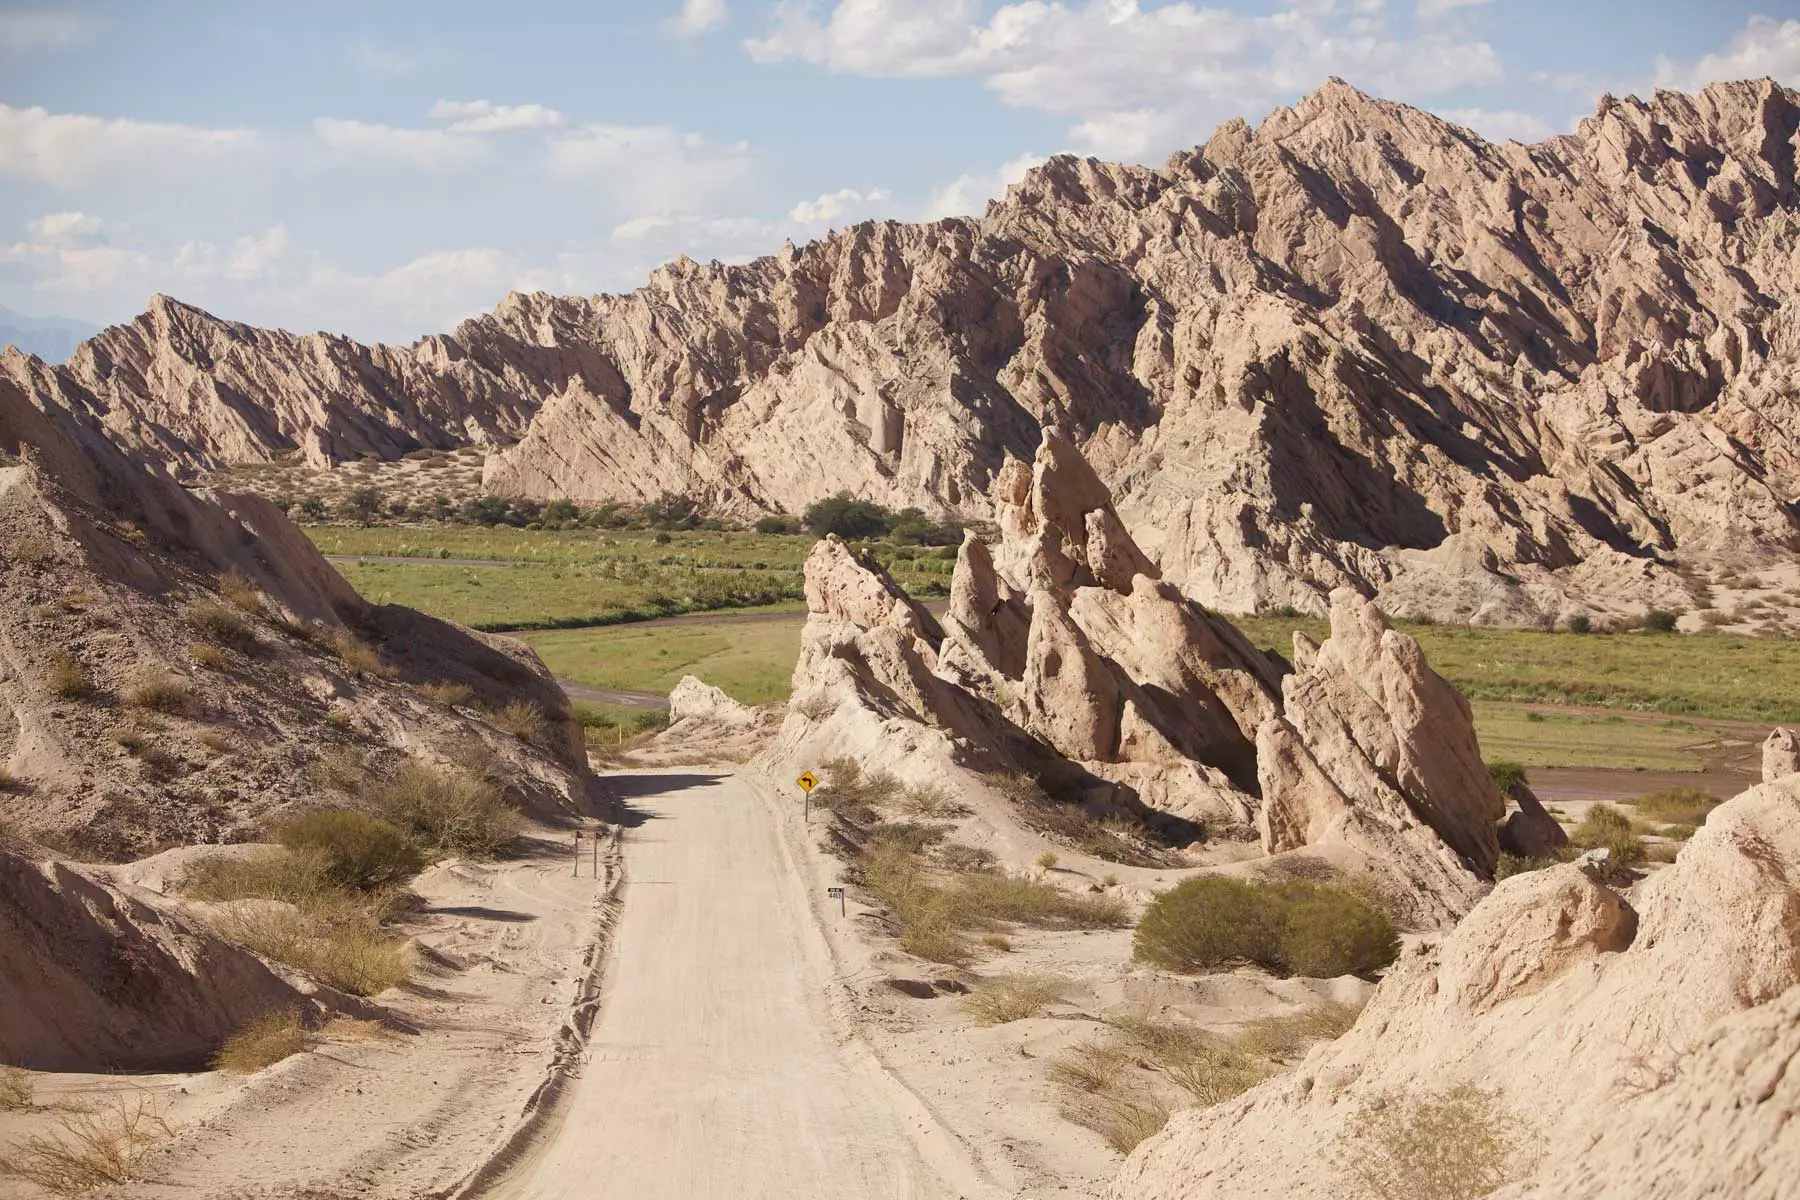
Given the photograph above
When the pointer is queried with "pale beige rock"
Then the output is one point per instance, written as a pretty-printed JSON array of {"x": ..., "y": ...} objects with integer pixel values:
[
  {"x": 693, "y": 699},
  {"x": 1781, "y": 755},
  {"x": 1506, "y": 384},
  {"x": 1595, "y": 1026}
]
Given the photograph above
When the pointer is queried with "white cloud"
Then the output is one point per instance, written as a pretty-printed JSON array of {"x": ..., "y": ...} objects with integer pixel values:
[
  {"x": 69, "y": 149},
  {"x": 1764, "y": 46},
  {"x": 478, "y": 116},
  {"x": 1134, "y": 80},
  {"x": 67, "y": 229},
  {"x": 698, "y": 16},
  {"x": 967, "y": 195},
  {"x": 21, "y": 32},
  {"x": 1432, "y": 9},
  {"x": 428, "y": 148},
  {"x": 1498, "y": 125},
  {"x": 652, "y": 168},
  {"x": 834, "y": 204},
  {"x": 379, "y": 61}
]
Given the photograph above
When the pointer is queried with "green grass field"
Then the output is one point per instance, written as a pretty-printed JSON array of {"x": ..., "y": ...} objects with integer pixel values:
[
  {"x": 582, "y": 578},
  {"x": 750, "y": 660}
]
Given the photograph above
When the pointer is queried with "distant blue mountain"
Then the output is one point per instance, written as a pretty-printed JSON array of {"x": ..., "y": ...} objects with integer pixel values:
[{"x": 52, "y": 339}]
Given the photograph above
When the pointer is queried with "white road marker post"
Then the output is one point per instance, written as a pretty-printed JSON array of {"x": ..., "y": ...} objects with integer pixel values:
[{"x": 837, "y": 893}]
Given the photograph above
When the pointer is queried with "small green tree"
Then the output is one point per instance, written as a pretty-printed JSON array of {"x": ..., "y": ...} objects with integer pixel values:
[
  {"x": 1660, "y": 621},
  {"x": 846, "y": 516},
  {"x": 311, "y": 509},
  {"x": 362, "y": 505}
]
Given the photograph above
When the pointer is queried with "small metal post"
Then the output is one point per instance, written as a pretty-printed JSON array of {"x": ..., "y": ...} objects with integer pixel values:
[
  {"x": 577, "y": 865},
  {"x": 596, "y": 854}
]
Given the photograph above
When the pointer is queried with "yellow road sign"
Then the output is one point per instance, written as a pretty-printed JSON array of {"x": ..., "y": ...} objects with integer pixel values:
[{"x": 807, "y": 781}]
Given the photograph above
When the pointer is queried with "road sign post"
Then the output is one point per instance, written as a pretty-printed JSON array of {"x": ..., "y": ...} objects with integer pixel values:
[
  {"x": 807, "y": 781},
  {"x": 837, "y": 893}
]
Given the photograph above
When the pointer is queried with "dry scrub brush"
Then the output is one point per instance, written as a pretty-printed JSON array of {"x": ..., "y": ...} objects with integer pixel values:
[
  {"x": 1606, "y": 828},
  {"x": 359, "y": 851},
  {"x": 522, "y": 719},
  {"x": 449, "y": 809},
  {"x": 90, "y": 1150},
  {"x": 221, "y": 625},
  {"x": 15, "y": 1090},
  {"x": 1006, "y": 998},
  {"x": 263, "y": 1043},
  {"x": 1457, "y": 1144},
  {"x": 157, "y": 689},
  {"x": 1290, "y": 927},
  {"x": 67, "y": 679}
]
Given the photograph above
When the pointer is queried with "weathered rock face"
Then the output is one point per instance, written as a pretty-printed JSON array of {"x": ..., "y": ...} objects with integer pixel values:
[
  {"x": 693, "y": 699},
  {"x": 1060, "y": 646},
  {"x": 111, "y": 575},
  {"x": 1597, "y": 1024},
  {"x": 1781, "y": 755},
  {"x": 94, "y": 979},
  {"x": 1529, "y": 830},
  {"x": 1387, "y": 736},
  {"x": 1356, "y": 345}
]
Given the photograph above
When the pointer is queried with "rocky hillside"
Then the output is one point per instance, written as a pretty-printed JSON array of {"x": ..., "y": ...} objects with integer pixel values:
[{"x": 1356, "y": 345}]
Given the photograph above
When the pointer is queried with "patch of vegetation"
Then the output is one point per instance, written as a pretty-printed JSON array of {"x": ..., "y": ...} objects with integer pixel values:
[
  {"x": 221, "y": 625},
  {"x": 1606, "y": 828},
  {"x": 206, "y": 655},
  {"x": 157, "y": 689},
  {"x": 456, "y": 695},
  {"x": 342, "y": 945},
  {"x": 447, "y": 809},
  {"x": 1006, "y": 998},
  {"x": 68, "y": 679},
  {"x": 356, "y": 654},
  {"x": 241, "y": 594},
  {"x": 263, "y": 1043},
  {"x": 1659, "y": 620},
  {"x": 847, "y": 784},
  {"x": 1121, "y": 841},
  {"x": 90, "y": 1150},
  {"x": 16, "y": 1090},
  {"x": 358, "y": 851},
  {"x": 1506, "y": 775},
  {"x": 522, "y": 719},
  {"x": 1458, "y": 1144},
  {"x": 1289, "y": 927},
  {"x": 1679, "y": 806},
  {"x": 1518, "y": 864}
]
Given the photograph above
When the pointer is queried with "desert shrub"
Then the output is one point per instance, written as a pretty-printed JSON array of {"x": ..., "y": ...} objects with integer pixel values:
[
  {"x": 1090, "y": 1066},
  {"x": 1289, "y": 927},
  {"x": 8, "y": 781},
  {"x": 983, "y": 898},
  {"x": 1677, "y": 806},
  {"x": 1606, "y": 828},
  {"x": 215, "y": 741},
  {"x": 302, "y": 880},
  {"x": 1047, "y": 860},
  {"x": 221, "y": 625},
  {"x": 846, "y": 784},
  {"x": 908, "y": 836},
  {"x": 1453, "y": 1145},
  {"x": 450, "y": 810},
  {"x": 1580, "y": 623},
  {"x": 68, "y": 679},
  {"x": 156, "y": 689},
  {"x": 930, "y": 800},
  {"x": 263, "y": 1043},
  {"x": 1284, "y": 1038},
  {"x": 846, "y": 516},
  {"x": 90, "y": 1149},
  {"x": 15, "y": 1090},
  {"x": 1659, "y": 620},
  {"x": 997, "y": 941},
  {"x": 1679, "y": 832},
  {"x": 456, "y": 695},
  {"x": 359, "y": 851},
  {"x": 1506, "y": 775},
  {"x": 31, "y": 550},
  {"x": 343, "y": 945},
  {"x": 773, "y": 524},
  {"x": 814, "y": 706},
  {"x": 356, "y": 654},
  {"x": 240, "y": 593},
  {"x": 1007, "y": 998},
  {"x": 954, "y": 856},
  {"x": 1122, "y": 1122},
  {"x": 205, "y": 654},
  {"x": 523, "y": 719}
]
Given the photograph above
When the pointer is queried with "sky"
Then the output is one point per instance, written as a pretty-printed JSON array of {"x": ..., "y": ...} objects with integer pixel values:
[{"x": 385, "y": 169}]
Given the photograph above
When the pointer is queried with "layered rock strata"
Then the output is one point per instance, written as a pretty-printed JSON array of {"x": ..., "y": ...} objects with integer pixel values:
[{"x": 1356, "y": 345}]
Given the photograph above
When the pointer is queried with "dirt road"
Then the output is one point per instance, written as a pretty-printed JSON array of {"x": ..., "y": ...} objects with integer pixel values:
[{"x": 713, "y": 1069}]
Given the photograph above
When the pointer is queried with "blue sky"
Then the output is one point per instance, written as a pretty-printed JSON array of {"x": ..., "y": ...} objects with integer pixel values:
[{"x": 383, "y": 169}]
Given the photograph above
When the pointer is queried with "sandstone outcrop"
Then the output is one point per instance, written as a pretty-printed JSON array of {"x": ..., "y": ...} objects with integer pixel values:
[
  {"x": 1356, "y": 345},
  {"x": 1781, "y": 755},
  {"x": 93, "y": 978},
  {"x": 693, "y": 699},
  {"x": 1595, "y": 1022},
  {"x": 1062, "y": 652}
]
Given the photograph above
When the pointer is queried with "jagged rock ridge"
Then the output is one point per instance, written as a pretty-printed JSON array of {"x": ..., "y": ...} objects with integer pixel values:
[{"x": 1356, "y": 345}]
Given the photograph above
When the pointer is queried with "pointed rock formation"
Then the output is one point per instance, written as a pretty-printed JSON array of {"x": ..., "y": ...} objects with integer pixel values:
[{"x": 1781, "y": 755}]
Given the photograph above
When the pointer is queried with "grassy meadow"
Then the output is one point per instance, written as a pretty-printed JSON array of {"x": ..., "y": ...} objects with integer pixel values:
[{"x": 750, "y": 659}]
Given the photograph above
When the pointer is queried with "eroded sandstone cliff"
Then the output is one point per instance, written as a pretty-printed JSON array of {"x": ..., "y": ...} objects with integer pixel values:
[{"x": 1355, "y": 345}]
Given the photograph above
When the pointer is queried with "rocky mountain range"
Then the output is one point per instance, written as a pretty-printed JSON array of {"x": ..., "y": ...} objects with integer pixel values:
[{"x": 1356, "y": 345}]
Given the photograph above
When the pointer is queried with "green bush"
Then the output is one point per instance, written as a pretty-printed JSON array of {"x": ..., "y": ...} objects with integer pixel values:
[
  {"x": 359, "y": 851},
  {"x": 848, "y": 517},
  {"x": 1678, "y": 805},
  {"x": 1506, "y": 775},
  {"x": 1659, "y": 620},
  {"x": 1580, "y": 623},
  {"x": 1293, "y": 926},
  {"x": 449, "y": 810},
  {"x": 222, "y": 625},
  {"x": 1606, "y": 828}
]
